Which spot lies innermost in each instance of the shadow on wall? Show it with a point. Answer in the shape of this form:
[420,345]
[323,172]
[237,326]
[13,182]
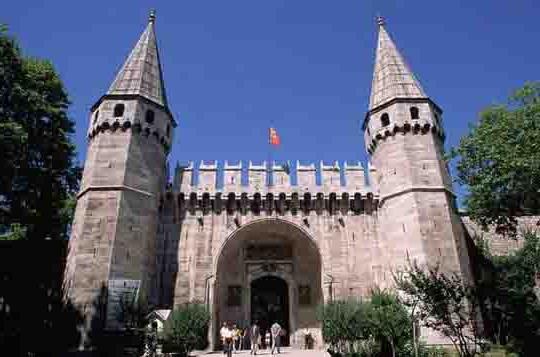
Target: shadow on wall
[34,320]
[32,313]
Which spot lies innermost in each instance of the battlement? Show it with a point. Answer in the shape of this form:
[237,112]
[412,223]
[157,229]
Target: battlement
[214,177]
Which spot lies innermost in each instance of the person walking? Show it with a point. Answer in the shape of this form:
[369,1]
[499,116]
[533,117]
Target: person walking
[234,338]
[254,337]
[228,334]
[276,337]
[222,332]
[243,333]
[267,340]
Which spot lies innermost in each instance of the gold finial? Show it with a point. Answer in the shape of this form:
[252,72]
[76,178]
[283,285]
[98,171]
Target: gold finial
[380,20]
[152,17]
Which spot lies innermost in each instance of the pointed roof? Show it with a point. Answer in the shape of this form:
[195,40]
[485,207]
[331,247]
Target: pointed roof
[392,77]
[141,73]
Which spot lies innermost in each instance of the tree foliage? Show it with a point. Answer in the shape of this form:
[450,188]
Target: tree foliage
[445,303]
[499,161]
[511,297]
[187,328]
[389,321]
[344,323]
[379,326]
[39,174]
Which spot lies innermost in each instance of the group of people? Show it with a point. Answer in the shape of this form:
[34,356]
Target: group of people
[233,338]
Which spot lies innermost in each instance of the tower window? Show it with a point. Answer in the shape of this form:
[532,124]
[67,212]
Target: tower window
[149,117]
[119,110]
[96,116]
[168,130]
[385,119]
[414,113]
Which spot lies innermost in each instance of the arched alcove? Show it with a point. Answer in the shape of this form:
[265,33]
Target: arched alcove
[268,250]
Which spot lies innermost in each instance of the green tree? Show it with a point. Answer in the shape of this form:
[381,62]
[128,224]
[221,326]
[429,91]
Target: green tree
[508,290]
[39,173]
[187,328]
[388,321]
[499,161]
[445,303]
[344,324]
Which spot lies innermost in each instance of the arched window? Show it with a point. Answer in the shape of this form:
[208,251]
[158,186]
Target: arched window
[149,117]
[168,130]
[96,116]
[414,113]
[119,110]
[385,119]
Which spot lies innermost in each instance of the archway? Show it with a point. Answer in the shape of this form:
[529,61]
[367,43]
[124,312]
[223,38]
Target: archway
[273,252]
[270,303]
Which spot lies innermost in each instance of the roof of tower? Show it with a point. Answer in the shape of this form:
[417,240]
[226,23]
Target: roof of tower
[141,73]
[392,77]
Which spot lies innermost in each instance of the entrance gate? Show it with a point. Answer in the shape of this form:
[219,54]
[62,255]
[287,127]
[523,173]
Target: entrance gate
[268,270]
[270,304]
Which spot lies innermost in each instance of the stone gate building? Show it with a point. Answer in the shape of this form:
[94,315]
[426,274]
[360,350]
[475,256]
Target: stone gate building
[257,242]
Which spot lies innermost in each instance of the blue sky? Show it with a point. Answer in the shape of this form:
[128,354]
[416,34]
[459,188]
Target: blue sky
[233,68]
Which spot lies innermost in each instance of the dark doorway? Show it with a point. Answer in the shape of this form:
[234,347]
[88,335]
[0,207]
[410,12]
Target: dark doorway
[270,303]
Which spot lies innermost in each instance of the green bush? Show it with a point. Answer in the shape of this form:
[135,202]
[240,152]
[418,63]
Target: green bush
[379,327]
[407,350]
[389,322]
[186,329]
[343,325]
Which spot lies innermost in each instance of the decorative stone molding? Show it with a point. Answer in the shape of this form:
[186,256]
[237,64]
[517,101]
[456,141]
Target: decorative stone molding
[136,127]
[282,203]
[413,126]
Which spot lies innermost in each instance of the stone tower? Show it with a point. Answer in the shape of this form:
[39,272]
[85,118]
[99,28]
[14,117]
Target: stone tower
[404,137]
[112,246]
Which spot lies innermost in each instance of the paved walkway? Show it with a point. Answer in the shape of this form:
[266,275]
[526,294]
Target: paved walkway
[285,352]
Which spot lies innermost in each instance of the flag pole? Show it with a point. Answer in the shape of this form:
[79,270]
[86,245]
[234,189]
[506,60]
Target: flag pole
[270,164]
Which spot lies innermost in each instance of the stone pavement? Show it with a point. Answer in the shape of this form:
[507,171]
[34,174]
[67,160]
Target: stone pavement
[285,352]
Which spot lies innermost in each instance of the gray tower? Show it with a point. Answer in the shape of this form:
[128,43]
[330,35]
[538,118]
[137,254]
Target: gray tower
[404,137]
[112,246]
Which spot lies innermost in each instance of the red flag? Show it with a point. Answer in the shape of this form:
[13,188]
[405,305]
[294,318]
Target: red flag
[274,137]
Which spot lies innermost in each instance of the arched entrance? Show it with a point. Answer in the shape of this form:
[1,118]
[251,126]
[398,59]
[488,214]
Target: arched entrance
[270,269]
[270,303]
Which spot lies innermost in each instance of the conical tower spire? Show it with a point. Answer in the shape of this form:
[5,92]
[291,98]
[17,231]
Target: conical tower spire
[141,73]
[392,77]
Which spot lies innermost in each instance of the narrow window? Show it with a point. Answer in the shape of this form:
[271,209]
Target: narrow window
[96,116]
[414,113]
[168,130]
[119,110]
[149,116]
[385,120]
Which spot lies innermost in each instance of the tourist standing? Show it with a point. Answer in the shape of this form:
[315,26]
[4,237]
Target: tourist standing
[243,341]
[222,332]
[254,337]
[267,340]
[276,337]
[234,337]
[228,334]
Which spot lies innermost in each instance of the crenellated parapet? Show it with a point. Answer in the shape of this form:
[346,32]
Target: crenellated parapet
[332,188]
[213,177]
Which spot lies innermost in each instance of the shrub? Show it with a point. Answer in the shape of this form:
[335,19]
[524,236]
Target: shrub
[388,321]
[186,329]
[343,325]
